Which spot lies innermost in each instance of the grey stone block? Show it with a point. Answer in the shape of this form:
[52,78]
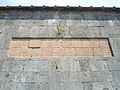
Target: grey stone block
[6,66]
[116,75]
[16,86]
[58,86]
[5,77]
[89,31]
[2,22]
[88,65]
[111,23]
[74,86]
[113,64]
[91,76]
[16,77]
[9,22]
[98,65]
[38,86]
[38,65]
[52,31]
[23,76]
[5,39]
[116,23]
[58,76]
[41,76]
[3,54]
[59,65]
[18,65]
[55,65]
[87,86]
[102,86]
[43,65]
[116,85]
[53,23]
[30,66]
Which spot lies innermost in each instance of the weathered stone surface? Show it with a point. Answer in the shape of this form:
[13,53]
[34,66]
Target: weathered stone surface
[116,75]
[113,64]
[3,54]
[87,86]
[103,86]
[59,73]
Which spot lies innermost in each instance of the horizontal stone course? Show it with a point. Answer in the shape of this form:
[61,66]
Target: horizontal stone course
[55,64]
[55,76]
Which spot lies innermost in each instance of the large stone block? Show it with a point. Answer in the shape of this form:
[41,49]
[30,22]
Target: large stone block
[93,76]
[102,86]
[113,64]
[3,54]
[87,86]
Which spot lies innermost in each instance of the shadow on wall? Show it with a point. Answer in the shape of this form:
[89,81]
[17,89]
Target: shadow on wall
[24,14]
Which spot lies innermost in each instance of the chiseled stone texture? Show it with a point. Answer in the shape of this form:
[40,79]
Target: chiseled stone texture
[59,72]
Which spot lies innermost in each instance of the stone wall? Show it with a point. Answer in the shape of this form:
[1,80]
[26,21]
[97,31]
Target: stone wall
[59,73]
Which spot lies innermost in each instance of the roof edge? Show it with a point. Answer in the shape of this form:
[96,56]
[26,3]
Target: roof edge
[76,8]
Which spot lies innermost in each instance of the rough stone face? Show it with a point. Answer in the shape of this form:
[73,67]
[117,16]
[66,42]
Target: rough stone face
[21,29]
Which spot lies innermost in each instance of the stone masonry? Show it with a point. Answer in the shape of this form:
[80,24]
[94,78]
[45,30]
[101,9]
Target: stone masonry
[69,71]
